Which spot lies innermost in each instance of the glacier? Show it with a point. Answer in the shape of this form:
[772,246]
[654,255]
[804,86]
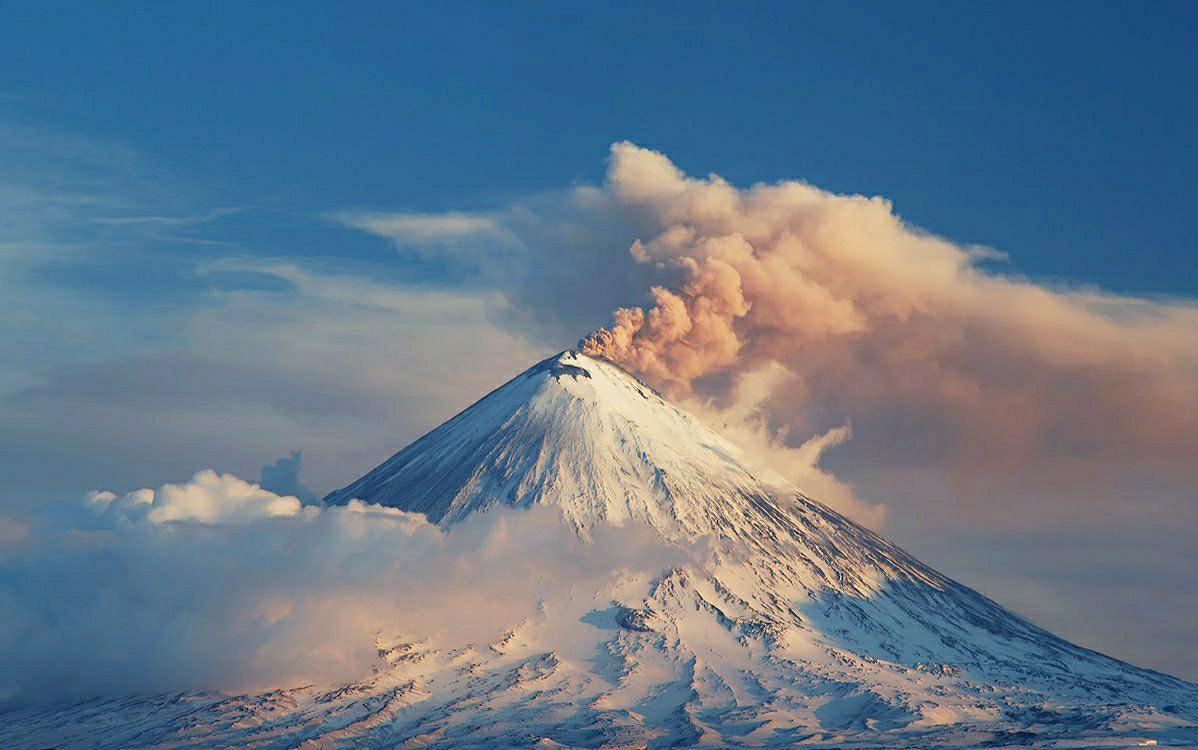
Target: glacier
[790,625]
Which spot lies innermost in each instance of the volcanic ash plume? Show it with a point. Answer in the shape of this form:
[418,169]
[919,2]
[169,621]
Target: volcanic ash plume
[869,313]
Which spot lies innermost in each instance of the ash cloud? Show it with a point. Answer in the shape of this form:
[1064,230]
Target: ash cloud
[744,418]
[881,322]
[949,373]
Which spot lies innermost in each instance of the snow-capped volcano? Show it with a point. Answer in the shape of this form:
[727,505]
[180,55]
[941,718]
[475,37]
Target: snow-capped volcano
[790,624]
[574,432]
[584,436]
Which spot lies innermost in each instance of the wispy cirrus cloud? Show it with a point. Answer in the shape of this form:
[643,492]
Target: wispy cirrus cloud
[133,307]
[170,221]
[415,228]
[450,232]
[356,366]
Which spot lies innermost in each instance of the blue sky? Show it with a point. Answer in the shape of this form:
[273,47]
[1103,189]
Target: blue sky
[184,290]
[1056,132]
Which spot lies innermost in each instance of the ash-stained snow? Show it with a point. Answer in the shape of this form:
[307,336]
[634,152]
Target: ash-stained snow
[802,628]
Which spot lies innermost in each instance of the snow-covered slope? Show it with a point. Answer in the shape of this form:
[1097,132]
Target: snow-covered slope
[575,432]
[798,626]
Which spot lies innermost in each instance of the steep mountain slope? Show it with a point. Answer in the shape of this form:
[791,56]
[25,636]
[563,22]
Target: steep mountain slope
[575,432]
[791,624]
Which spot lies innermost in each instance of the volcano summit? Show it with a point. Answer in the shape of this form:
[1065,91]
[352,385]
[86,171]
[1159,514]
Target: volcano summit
[790,624]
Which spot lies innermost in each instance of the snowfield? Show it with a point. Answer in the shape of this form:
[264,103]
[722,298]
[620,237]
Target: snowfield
[787,624]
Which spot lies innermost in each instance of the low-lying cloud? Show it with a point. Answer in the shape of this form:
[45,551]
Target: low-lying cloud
[216,583]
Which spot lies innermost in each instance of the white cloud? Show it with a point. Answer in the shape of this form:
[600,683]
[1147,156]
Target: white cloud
[211,498]
[216,583]
[415,229]
[404,227]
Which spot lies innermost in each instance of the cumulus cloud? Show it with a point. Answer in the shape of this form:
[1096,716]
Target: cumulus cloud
[879,321]
[216,583]
[209,498]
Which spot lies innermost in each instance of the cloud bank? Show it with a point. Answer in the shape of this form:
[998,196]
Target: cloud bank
[217,583]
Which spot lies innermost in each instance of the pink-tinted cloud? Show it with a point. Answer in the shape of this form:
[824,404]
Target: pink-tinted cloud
[876,318]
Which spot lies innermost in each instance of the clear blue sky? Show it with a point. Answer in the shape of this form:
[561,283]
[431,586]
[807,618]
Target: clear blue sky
[1059,132]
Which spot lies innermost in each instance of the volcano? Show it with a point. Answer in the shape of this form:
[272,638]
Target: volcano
[798,627]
